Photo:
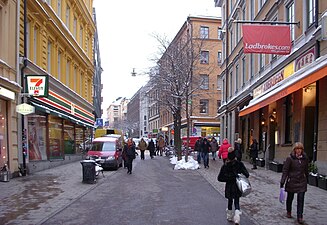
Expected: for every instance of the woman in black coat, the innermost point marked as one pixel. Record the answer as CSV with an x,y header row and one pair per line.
x,y
295,175
228,174
151,148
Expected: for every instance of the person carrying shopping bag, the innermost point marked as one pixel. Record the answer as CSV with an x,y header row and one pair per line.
x,y
295,176
228,173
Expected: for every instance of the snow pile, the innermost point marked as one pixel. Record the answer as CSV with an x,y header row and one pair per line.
x,y
182,165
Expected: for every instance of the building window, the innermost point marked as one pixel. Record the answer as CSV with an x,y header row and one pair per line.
x,y
75,27
49,49
204,32
261,62
59,8
218,104
59,65
311,11
219,58
204,106
68,17
204,82
231,84
291,18
75,77
220,34
81,37
243,71
236,78
204,58
67,77
252,66
219,83
35,44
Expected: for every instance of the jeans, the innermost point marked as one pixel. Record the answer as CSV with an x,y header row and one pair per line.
x,y
205,157
129,164
214,155
300,203
236,203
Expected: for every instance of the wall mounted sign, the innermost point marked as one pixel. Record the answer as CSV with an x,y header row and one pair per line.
x,y
37,85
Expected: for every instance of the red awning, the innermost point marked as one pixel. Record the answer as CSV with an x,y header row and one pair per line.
x,y
300,79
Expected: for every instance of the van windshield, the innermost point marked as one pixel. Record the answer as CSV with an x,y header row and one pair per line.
x,y
104,146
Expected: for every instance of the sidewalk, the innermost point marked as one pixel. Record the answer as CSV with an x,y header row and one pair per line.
x,y
263,204
33,199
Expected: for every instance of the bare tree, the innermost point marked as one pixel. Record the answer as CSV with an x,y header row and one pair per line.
x,y
173,79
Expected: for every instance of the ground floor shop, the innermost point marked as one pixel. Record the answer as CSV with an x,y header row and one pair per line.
x,y
293,111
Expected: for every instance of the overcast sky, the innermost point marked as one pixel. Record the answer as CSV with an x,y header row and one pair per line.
x,y
125,29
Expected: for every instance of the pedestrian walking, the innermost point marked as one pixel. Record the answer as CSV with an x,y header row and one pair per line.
x,y
223,150
142,147
161,145
254,149
151,148
130,153
214,148
238,148
205,152
197,148
295,176
228,173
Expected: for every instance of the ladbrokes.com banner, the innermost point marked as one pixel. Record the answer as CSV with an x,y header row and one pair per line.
x,y
266,39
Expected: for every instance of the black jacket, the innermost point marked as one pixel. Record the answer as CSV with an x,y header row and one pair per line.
x,y
228,173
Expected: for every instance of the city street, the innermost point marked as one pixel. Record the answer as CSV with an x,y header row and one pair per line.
x,y
153,194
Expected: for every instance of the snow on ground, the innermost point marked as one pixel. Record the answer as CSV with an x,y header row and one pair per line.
x,y
191,164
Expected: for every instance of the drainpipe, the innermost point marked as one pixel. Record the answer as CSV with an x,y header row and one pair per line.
x,y
24,131
315,137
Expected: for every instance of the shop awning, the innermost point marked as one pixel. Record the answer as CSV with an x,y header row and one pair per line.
x,y
300,79
60,114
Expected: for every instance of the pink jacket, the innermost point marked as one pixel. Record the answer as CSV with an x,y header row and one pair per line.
x,y
223,150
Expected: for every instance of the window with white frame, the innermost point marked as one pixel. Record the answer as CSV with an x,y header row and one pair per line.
x,y
219,58
311,4
290,16
204,82
67,77
81,36
219,83
75,27
204,32
204,106
204,57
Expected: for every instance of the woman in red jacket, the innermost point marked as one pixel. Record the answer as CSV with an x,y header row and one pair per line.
x,y
223,150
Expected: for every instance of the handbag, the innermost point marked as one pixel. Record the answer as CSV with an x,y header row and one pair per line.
x,y
282,195
243,184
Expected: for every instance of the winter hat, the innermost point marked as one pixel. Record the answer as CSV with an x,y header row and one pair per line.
x,y
231,153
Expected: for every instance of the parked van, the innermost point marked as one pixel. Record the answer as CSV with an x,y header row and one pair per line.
x,y
107,151
192,140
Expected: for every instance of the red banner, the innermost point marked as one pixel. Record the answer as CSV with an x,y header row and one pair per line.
x,y
267,39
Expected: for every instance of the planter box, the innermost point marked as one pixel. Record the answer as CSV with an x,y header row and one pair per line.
x,y
313,179
277,167
260,162
322,182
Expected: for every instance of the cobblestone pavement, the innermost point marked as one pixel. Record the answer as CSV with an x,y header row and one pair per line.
x,y
262,203
33,199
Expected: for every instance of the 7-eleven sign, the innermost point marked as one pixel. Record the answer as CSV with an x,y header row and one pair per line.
x,y
37,85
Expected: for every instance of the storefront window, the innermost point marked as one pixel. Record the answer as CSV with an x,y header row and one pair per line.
x,y
55,138
69,137
79,139
3,133
37,137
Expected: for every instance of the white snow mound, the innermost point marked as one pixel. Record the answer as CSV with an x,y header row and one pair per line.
x,y
191,164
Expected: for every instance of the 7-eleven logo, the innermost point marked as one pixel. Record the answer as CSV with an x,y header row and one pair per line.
x,y
36,85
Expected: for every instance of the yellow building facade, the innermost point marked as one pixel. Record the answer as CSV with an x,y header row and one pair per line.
x,y
56,42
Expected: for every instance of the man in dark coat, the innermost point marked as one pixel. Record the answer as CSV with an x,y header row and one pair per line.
x,y
151,148
197,148
254,153
205,152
